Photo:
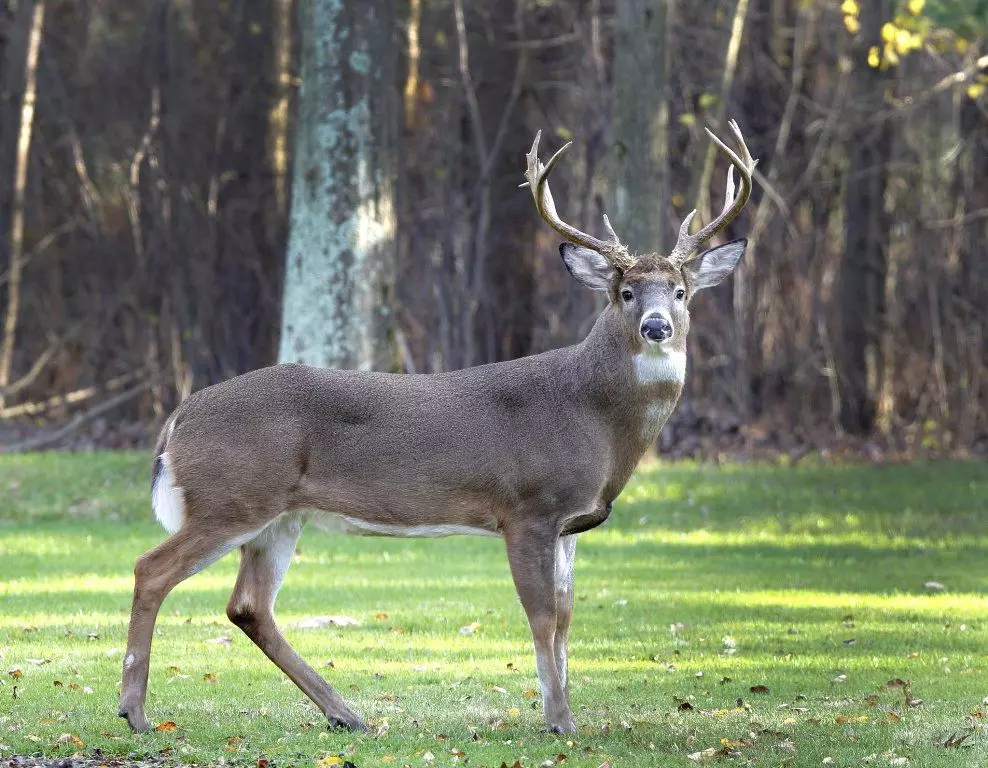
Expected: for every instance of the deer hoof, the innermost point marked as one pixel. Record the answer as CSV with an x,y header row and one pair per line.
x,y
136,720
565,727
348,721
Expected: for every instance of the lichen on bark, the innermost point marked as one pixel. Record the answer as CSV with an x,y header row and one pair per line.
x,y
340,260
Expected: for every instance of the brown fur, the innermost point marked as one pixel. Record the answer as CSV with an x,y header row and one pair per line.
x,y
534,449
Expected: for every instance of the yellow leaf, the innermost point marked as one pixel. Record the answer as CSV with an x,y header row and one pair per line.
x,y
903,40
514,712
77,741
888,31
325,762
874,59
916,6
388,758
961,45
15,673
210,677
850,7
707,100
687,119
169,726
529,694
974,90
852,24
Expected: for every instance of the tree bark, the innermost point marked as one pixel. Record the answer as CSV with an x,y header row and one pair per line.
x,y
864,262
341,248
641,123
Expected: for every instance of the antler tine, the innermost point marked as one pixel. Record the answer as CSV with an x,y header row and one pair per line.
x,y
687,244
537,176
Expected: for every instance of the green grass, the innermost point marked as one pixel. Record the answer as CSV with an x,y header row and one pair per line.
x,y
791,564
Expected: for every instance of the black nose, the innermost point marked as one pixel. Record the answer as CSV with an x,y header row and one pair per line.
x,y
656,328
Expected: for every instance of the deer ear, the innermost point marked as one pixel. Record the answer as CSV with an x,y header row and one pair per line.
x,y
587,266
714,265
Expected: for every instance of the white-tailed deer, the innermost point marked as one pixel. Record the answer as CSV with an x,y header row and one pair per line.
x,y
533,450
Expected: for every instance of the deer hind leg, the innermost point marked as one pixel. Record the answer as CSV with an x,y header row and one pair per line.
x,y
157,572
263,564
565,555
532,555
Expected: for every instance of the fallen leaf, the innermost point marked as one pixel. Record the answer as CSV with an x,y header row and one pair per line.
x,y
58,684
498,688
896,683
934,586
914,702
759,689
38,662
317,622
169,726
514,712
329,760
428,757
15,673
469,629
210,677
845,719
380,616
894,717
530,694
699,757
262,763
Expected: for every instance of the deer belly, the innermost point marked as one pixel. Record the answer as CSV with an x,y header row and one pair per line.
x,y
356,526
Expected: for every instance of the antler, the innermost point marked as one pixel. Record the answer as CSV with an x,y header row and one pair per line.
x,y
538,180
687,244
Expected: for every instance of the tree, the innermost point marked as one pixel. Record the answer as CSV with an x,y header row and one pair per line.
x,y
864,262
341,246
641,122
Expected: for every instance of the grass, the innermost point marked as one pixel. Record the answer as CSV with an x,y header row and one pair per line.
x,y
705,584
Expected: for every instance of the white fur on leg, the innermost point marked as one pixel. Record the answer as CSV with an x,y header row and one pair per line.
x,y
167,498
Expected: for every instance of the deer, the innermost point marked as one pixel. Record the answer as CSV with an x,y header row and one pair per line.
x,y
534,450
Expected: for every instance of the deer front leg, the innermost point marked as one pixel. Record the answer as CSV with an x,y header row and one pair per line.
x,y
532,554
565,555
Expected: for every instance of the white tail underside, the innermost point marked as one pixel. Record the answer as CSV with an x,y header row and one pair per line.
x,y
167,498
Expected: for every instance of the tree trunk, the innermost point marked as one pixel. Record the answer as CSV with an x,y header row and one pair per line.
x,y
341,248
864,263
641,123
20,185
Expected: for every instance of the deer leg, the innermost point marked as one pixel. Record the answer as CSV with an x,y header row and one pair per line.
x,y
157,572
532,555
565,554
263,564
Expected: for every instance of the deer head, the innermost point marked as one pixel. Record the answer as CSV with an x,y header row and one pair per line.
x,y
651,292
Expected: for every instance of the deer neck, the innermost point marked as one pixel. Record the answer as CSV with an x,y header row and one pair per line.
x,y
635,386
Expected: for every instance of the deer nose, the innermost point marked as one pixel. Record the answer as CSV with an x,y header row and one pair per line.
x,y
656,328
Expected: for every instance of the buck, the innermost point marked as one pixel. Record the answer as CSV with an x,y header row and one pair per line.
x,y
534,450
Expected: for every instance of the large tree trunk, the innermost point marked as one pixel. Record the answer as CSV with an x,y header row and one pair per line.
x,y
864,263
641,122
341,249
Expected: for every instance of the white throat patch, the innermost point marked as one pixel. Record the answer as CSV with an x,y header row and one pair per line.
x,y
657,365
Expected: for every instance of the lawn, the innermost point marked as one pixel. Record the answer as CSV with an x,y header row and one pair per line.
x,y
780,617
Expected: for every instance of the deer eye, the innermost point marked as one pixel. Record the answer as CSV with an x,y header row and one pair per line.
x,y
680,294
627,295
